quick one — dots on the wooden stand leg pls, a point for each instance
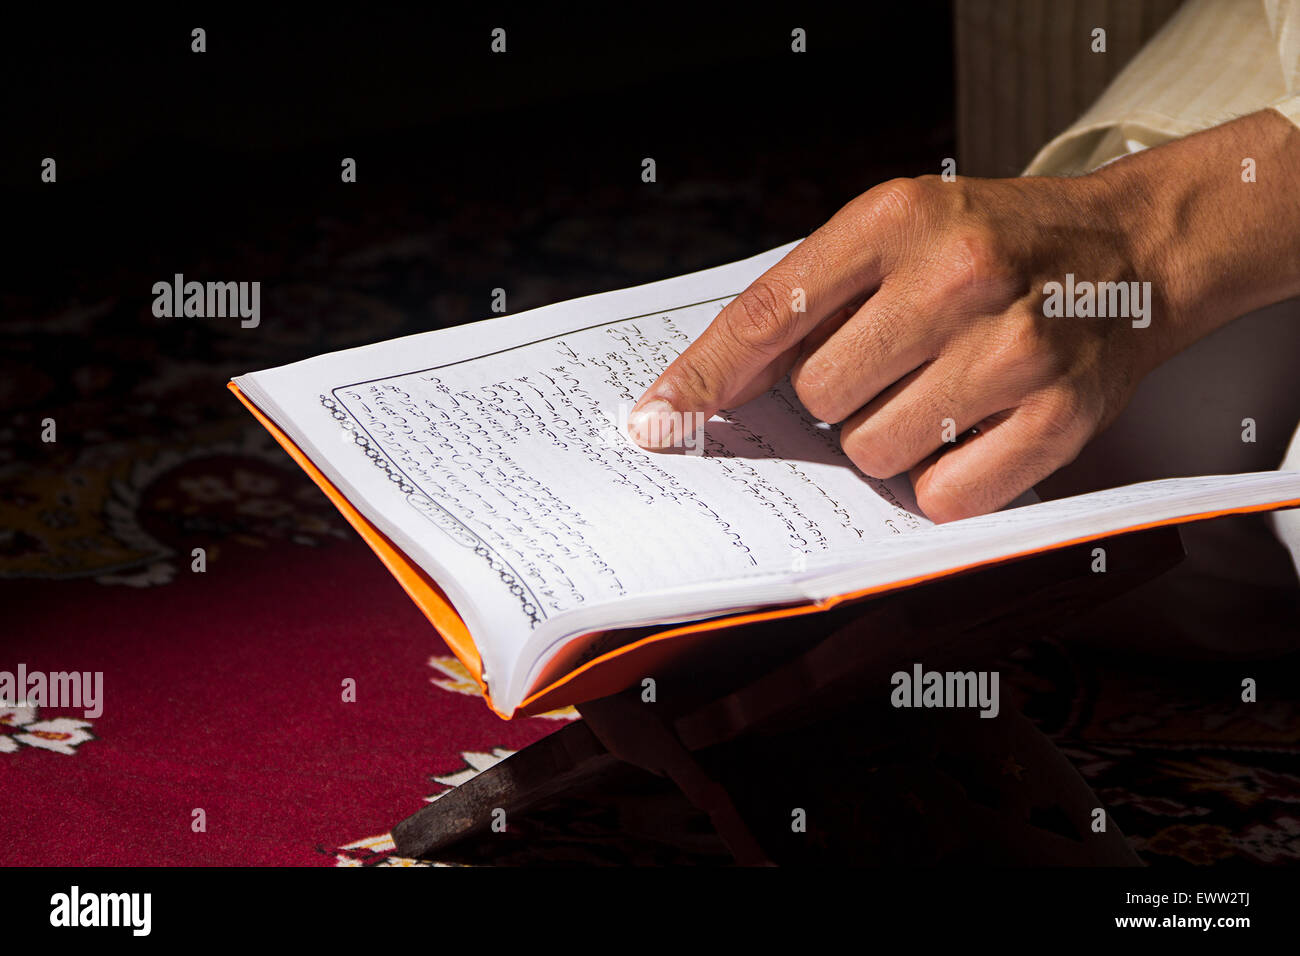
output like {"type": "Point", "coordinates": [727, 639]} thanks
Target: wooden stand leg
{"type": "Point", "coordinates": [631, 734]}
{"type": "Point", "coordinates": [551, 765]}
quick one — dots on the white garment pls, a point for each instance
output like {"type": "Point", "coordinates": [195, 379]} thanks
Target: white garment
{"type": "Point", "coordinates": [1213, 61]}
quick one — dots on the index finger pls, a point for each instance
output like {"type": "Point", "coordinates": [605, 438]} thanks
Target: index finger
{"type": "Point", "coordinates": [813, 282]}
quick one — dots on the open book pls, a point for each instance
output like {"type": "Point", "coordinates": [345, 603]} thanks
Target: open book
{"type": "Point", "coordinates": [489, 467]}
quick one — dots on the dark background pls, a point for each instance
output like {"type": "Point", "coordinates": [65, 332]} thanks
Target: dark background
{"type": "Point", "coordinates": [169, 159]}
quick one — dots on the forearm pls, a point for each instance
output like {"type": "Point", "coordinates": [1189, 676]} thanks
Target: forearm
{"type": "Point", "coordinates": [1213, 245]}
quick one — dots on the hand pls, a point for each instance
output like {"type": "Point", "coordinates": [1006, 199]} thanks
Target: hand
{"type": "Point", "coordinates": [928, 312]}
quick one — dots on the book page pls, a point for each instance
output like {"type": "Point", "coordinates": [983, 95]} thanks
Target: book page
{"type": "Point", "coordinates": [496, 456]}
{"type": "Point", "coordinates": [1056, 523]}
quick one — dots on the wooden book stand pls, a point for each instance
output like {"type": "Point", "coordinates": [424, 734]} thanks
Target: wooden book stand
{"type": "Point", "coordinates": [717, 716]}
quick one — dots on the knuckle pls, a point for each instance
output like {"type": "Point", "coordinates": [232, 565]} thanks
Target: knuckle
{"type": "Point", "coordinates": [857, 446]}
{"type": "Point", "coordinates": [901, 198]}
{"type": "Point", "coordinates": [1020, 348]}
{"type": "Point", "coordinates": [866, 449]}
{"type": "Point", "coordinates": [941, 499]}
{"type": "Point", "coordinates": [1061, 422]}
{"type": "Point", "coordinates": [698, 379]}
{"type": "Point", "coordinates": [815, 387]}
{"type": "Point", "coordinates": [975, 264]}
{"type": "Point", "coordinates": [877, 340]}
{"type": "Point", "coordinates": [761, 315]}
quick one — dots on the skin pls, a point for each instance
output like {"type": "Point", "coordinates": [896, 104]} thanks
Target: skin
{"type": "Point", "coordinates": [924, 302]}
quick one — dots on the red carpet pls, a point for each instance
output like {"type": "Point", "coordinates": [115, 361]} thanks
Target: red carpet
{"type": "Point", "coordinates": [223, 692]}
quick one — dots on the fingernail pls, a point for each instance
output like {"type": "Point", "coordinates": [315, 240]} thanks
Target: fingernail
{"type": "Point", "coordinates": [651, 425]}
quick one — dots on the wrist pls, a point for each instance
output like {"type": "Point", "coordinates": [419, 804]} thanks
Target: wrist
{"type": "Point", "coordinates": [1151, 201]}
{"type": "Point", "coordinates": [1213, 244]}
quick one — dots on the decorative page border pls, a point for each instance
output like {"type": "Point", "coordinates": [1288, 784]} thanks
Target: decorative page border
{"type": "Point", "coordinates": [453, 526]}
